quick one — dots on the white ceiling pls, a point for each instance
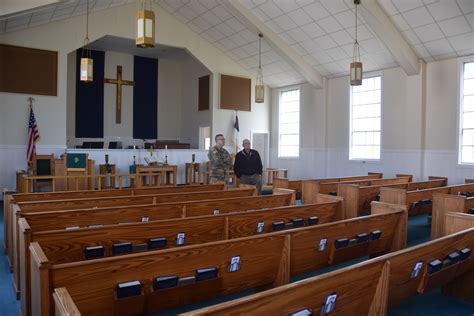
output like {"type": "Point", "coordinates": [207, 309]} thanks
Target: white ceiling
{"type": "Point", "coordinates": [321, 31]}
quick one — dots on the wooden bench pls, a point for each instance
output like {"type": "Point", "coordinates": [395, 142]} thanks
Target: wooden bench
{"type": "Point", "coordinates": [41, 221]}
{"type": "Point", "coordinates": [358, 198]}
{"type": "Point", "coordinates": [81, 203]}
{"type": "Point", "coordinates": [420, 201]}
{"type": "Point", "coordinates": [265, 260]}
{"type": "Point", "coordinates": [297, 185]}
{"type": "Point", "coordinates": [367, 288]}
{"type": "Point", "coordinates": [310, 188]}
{"type": "Point", "coordinates": [62, 246]}
{"type": "Point", "coordinates": [442, 205]}
{"type": "Point", "coordinates": [10, 198]}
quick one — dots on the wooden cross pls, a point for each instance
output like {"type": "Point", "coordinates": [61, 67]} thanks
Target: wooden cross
{"type": "Point", "coordinates": [118, 96]}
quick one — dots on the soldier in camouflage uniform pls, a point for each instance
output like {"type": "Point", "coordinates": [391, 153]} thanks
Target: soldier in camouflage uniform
{"type": "Point", "coordinates": [220, 161]}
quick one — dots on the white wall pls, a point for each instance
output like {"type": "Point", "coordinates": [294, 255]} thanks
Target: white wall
{"type": "Point", "coordinates": [419, 127]}
{"type": "Point", "coordinates": [66, 36]}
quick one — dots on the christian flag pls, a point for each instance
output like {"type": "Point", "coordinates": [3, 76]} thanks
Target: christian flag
{"type": "Point", "coordinates": [236, 133]}
{"type": "Point", "coordinates": [33, 136]}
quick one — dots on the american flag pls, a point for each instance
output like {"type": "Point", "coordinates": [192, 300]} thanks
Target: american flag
{"type": "Point", "coordinates": [33, 136]}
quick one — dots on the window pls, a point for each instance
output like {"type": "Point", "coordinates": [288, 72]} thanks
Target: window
{"type": "Point", "coordinates": [207, 143]}
{"type": "Point", "coordinates": [289, 124]}
{"type": "Point", "coordinates": [466, 123]}
{"type": "Point", "coordinates": [365, 120]}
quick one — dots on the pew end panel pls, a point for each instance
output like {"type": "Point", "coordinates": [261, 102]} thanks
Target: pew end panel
{"type": "Point", "coordinates": [21, 271]}
{"type": "Point", "coordinates": [280, 191]}
{"type": "Point", "coordinates": [309, 191]}
{"type": "Point", "coordinates": [40, 290]}
{"type": "Point", "coordinates": [63, 303]}
{"type": "Point", "coordinates": [350, 195]}
{"type": "Point", "coordinates": [442, 204]}
{"type": "Point", "coordinates": [401, 232]}
{"type": "Point", "coordinates": [324, 198]}
{"type": "Point", "coordinates": [456, 222]}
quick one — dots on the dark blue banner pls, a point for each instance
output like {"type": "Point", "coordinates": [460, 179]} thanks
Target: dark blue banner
{"type": "Point", "coordinates": [145, 98]}
{"type": "Point", "coordinates": [90, 98]}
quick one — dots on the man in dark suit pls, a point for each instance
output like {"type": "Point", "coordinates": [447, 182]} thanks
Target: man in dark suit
{"type": "Point", "coordinates": [248, 166]}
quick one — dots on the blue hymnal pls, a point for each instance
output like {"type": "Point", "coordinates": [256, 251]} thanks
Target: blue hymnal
{"type": "Point", "coordinates": [341, 242]}
{"type": "Point", "coordinates": [374, 235]}
{"type": "Point", "coordinates": [155, 243]}
{"type": "Point", "coordinates": [121, 247]}
{"type": "Point", "coordinates": [94, 252]}
{"type": "Point", "coordinates": [278, 225]}
{"type": "Point", "coordinates": [434, 266]}
{"type": "Point", "coordinates": [364, 237]}
{"type": "Point", "coordinates": [298, 222]}
{"type": "Point", "coordinates": [165, 282]}
{"type": "Point", "coordinates": [206, 274]}
{"type": "Point", "coordinates": [313, 220]}
{"type": "Point", "coordinates": [132, 288]}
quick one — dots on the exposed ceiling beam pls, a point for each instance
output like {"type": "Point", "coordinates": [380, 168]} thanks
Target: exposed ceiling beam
{"type": "Point", "coordinates": [289, 54]}
{"type": "Point", "coordinates": [390, 36]}
{"type": "Point", "coordinates": [12, 8]}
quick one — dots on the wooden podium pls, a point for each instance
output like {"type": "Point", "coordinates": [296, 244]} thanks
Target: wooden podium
{"type": "Point", "coordinates": [79, 183]}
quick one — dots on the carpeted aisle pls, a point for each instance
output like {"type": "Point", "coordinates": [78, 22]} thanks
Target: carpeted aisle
{"type": "Point", "coordinates": [9, 306]}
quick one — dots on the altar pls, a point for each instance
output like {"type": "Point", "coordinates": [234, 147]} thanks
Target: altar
{"type": "Point", "coordinates": [123, 159]}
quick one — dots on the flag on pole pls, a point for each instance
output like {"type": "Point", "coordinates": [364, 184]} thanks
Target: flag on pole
{"type": "Point", "coordinates": [33, 136]}
{"type": "Point", "coordinates": [236, 133]}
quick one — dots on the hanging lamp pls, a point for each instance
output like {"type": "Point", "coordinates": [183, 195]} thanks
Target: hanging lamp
{"type": "Point", "coordinates": [259, 87]}
{"type": "Point", "coordinates": [356, 65]}
{"type": "Point", "coordinates": [87, 63]}
{"type": "Point", "coordinates": [145, 37]}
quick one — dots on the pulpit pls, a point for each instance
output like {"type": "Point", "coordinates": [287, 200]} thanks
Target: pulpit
{"type": "Point", "coordinates": [107, 182]}
{"type": "Point", "coordinates": [42, 165]}
{"type": "Point", "coordinates": [75, 165]}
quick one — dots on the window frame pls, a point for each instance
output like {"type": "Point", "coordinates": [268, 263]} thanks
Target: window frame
{"type": "Point", "coordinates": [280, 92]}
{"type": "Point", "coordinates": [367, 76]}
{"type": "Point", "coordinates": [460, 111]}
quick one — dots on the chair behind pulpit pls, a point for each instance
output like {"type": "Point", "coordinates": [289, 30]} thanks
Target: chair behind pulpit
{"type": "Point", "coordinates": [43, 165]}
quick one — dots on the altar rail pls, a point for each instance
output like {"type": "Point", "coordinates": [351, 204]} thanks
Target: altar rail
{"type": "Point", "coordinates": [25, 183]}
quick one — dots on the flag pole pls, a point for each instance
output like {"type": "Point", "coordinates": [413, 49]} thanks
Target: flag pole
{"type": "Point", "coordinates": [30, 102]}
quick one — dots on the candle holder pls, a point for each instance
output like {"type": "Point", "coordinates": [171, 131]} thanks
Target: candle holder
{"type": "Point", "coordinates": [166, 159]}
{"type": "Point", "coordinates": [134, 162]}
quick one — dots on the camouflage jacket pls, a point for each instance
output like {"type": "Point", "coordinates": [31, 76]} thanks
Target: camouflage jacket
{"type": "Point", "coordinates": [220, 163]}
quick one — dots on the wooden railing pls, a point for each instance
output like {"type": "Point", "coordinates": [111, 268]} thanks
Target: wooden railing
{"type": "Point", "coordinates": [91, 182]}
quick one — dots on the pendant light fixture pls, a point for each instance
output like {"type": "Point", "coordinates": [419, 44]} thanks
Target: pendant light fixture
{"type": "Point", "coordinates": [259, 87]}
{"type": "Point", "coordinates": [87, 63]}
{"type": "Point", "coordinates": [356, 65]}
{"type": "Point", "coordinates": [145, 37]}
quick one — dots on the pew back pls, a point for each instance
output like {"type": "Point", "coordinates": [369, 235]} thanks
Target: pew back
{"type": "Point", "coordinates": [88, 289]}
{"type": "Point", "coordinates": [381, 282]}
{"type": "Point", "coordinates": [358, 198]}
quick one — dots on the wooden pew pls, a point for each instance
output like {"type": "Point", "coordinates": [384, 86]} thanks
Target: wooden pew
{"type": "Point", "coordinates": [358, 198]}
{"type": "Point", "coordinates": [268, 259]}
{"type": "Point", "coordinates": [297, 185]}
{"type": "Point", "coordinates": [442, 205]}
{"type": "Point", "coordinates": [420, 201]}
{"type": "Point", "coordinates": [41, 221]}
{"type": "Point", "coordinates": [380, 282]}
{"type": "Point", "coordinates": [81, 203]}
{"type": "Point", "coordinates": [11, 198]}
{"type": "Point", "coordinates": [310, 188]}
{"type": "Point", "coordinates": [62, 246]}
